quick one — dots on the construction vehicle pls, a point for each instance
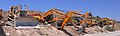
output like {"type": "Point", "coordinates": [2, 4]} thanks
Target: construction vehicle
{"type": "Point", "coordinates": [17, 17]}
{"type": "Point", "coordinates": [105, 21]}
{"type": "Point", "coordinates": [67, 19]}
{"type": "Point", "coordinates": [80, 17]}
{"type": "Point", "coordinates": [48, 16]}
{"type": "Point", "coordinates": [90, 21]}
{"type": "Point", "coordinates": [95, 21]}
{"type": "Point", "coordinates": [84, 22]}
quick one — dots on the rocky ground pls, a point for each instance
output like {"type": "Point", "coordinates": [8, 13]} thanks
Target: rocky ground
{"type": "Point", "coordinates": [115, 33]}
{"type": "Point", "coordinates": [52, 31]}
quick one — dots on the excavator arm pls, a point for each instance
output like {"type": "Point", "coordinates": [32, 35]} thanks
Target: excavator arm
{"type": "Point", "coordinates": [86, 18]}
{"type": "Point", "coordinates": [48, 16]}
{"type": "Point", "coordinates": [66, 20]}
{"type": "Point", "coordinates": [38, 16]}
{"type": "Point", "coordinates": [68, 16]}
{"type": "Point", "coordinates": [51, 12]}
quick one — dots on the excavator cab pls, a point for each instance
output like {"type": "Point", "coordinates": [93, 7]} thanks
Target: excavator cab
{"type": "Point", "coordinates": [48, 18]}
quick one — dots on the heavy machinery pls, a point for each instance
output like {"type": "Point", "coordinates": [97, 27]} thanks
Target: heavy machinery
{"type": "Point", "coordinates": [90, 21]}
{"type": "Point", "coordinates": [80, 18]}
{"type": "Point", "coordinates": [17, 17]}
{"type": "Point", "coordinates": [97, 21]}
{"type": "Point", "coordinates": [67, 19]}
{"type": "Point", "coordinates": [84, 22]}
{"type": "Point", "coordinates": [48, 16]}
{"type": "Point", "coordinates": [105, 21]}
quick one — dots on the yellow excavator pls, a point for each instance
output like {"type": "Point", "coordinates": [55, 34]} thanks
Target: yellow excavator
{"type": "Point", "coordinates": [67, 18]}
{"type": "Point", "coordinates": [85, 22]}
{"type": "Point", "coordinates": [89, 20]}
{"type": "Point", "coordinates": [106, 21]}
{"type": "Point", "coordinates": [60, 23]}
{"type": "Point", "coordinates": [48, 16]}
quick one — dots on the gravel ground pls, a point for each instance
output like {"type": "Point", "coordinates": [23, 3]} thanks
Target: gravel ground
{"type": "Point", "coordinates": [115, 33]}
{"type": "Point", "coordinates": [43, 31]}
{"type": "Point", "coordinates": [52, 31]}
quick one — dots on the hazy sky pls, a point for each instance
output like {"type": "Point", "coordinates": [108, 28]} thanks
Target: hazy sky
{"type": "Point", "coordinates": [102, 8]}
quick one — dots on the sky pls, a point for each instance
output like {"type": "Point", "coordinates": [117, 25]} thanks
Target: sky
{"type": "Point", "coordinates": [102, 8]}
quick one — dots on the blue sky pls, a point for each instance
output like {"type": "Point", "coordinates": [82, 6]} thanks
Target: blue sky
{"type": "Point", "coordinates": [102, 8]}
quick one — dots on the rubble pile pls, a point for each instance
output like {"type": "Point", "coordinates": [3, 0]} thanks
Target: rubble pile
{"type": "Point", "coordinates": [50, 31]}
{"type": "Point", "coordinates": [43, 31]}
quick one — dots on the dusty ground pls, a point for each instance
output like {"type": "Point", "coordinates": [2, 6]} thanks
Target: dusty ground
{"type": "Point", "coordinates": [42, 31]}
{"type": "Point", "coordinates": [52, 31]}
{"type": "Point", "coordinates": [115, 33]}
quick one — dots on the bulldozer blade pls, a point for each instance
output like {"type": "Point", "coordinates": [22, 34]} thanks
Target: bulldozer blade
{"type": "Point", "coordinates": [29, 22]}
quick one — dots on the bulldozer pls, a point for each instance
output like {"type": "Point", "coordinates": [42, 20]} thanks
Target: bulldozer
{"type": "Point", "coordinates": [17, 18]}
